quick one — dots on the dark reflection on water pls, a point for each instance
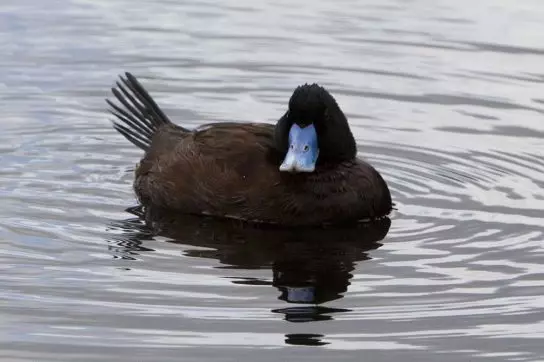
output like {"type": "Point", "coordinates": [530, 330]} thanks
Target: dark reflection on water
{"type": "Point", "coordinates": [309, 314]}
{"type": "Point", "coordinates": [302, 339]}
{"type": "Point", "coordinates": [130, 243]}
{"type": "Point", "coordinates": [309, 266]}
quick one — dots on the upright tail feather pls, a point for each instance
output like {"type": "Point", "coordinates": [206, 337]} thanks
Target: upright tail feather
{"type": "Point", "coordinates": [138, 116]}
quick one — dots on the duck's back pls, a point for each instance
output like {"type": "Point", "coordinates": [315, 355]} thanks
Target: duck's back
{"type": "Point", "coordinates": [232, 170]}
{"type": "Point", "coordinates": [212, 170]}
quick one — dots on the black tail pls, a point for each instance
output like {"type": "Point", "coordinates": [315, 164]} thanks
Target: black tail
{"type": "Point", "coordinates": [138, 116]}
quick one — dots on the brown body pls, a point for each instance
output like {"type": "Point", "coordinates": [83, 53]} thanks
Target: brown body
{"type": "Point", "coordinates": [232, 170]}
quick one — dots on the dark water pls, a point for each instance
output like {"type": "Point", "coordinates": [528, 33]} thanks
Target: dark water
{"type": "Point", "coordinates": [445, 98]}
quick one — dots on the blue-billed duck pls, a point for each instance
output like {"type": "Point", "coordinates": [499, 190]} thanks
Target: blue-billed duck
{"type": "Point", "coordinates": [301, 171]}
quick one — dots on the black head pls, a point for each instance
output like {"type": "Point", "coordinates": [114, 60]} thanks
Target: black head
{"type": "Point", "coordinates": [312, 105]}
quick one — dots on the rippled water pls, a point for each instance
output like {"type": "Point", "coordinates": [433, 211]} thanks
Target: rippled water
{"type": "Point", "coordinates": [445, 98]}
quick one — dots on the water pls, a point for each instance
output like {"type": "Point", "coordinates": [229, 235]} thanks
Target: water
{"type": "Point", "coordinates": [445, 98]}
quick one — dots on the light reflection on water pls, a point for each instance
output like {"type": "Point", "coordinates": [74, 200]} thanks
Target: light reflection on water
{"type": "Point", "coordinates": [444, 99]}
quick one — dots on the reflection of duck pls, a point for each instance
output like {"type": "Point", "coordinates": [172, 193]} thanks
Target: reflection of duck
{"type": "Point", "coordinates": [310, 266]}
{"type": "Point", "coordinates": [305, 339]}
{"type": "Point", "coordinates": [302, 171]}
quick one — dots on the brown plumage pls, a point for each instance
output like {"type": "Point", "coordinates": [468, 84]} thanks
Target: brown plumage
{"type": "Point", "coordinates": [232, 169]}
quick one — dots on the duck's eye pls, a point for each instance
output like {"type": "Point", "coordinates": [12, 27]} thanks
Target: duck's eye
{"type": "Point", "coordinates": [306, 148]}
{"type": "Point", "coordinates": [292, 146]}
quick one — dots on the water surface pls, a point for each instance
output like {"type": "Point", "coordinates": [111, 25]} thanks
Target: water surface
{"type": "Point", "coordinates": [446, 99]}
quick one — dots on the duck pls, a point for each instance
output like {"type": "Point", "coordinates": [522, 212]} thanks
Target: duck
{"type": "Point", "coordinates": [302, 170]}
